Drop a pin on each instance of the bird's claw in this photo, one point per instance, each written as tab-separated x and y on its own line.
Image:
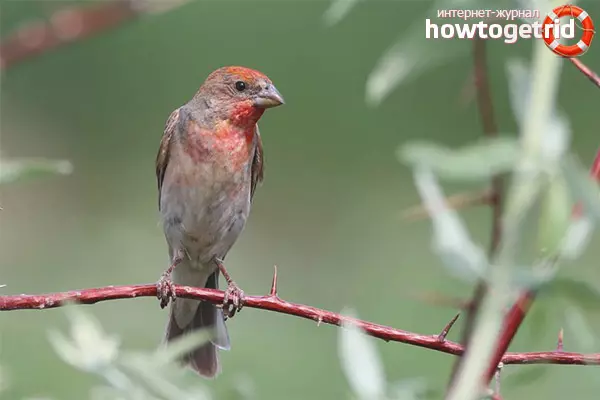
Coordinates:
233	300
165	291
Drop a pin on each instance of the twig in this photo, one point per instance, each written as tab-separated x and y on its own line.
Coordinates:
73	24
455	202
591	75
440	300
276	304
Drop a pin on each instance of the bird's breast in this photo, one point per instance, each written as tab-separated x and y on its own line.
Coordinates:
205	198
226	149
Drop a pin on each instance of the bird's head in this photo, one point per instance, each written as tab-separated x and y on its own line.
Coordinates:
239	94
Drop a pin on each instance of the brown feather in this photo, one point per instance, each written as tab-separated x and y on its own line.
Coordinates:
257	164
162	158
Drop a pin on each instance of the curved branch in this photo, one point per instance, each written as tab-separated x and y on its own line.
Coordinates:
272	302
591	75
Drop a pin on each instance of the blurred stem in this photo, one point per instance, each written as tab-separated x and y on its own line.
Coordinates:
479	354
490	129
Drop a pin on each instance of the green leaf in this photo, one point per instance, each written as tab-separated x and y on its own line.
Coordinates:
451	239
557	130
338	10
414	54
479	161
88	347
410	389
582	186
555	216
361	362
20	170
536	276
577	238
581	293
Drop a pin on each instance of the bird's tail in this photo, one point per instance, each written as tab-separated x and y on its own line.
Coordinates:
188	315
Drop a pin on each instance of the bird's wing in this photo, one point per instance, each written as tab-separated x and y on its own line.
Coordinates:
257	164
162	158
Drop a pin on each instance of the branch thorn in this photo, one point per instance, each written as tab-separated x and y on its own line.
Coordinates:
273	292
446	330
559	344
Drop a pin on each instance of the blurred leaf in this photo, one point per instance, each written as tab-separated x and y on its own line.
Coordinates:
413	54
555	217
478	161
20	170
557	132
582	186
451	239
88	348
360	362
182	345
409	389
540	274
166	381
111	393
159	7
243	388
581	293
577	238
526	375
338	10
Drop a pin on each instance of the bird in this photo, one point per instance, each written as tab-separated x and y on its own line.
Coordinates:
208	166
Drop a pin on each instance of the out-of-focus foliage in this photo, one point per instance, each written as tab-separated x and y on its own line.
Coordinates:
20	170
128	376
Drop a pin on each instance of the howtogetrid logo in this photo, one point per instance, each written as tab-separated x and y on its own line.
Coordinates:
552	23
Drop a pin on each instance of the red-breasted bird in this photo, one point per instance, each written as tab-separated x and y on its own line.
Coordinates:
208	166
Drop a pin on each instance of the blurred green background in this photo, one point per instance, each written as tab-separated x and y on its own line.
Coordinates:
328	213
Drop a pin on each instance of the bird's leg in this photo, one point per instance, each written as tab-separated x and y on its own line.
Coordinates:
164	287
233	294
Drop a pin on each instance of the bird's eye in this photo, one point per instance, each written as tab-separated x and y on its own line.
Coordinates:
240	86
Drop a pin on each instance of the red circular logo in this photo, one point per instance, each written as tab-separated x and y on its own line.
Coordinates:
568	11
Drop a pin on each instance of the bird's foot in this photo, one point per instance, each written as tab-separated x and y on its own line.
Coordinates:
233	300
165	290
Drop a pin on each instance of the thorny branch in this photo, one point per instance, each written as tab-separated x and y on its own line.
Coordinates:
76	23
272	302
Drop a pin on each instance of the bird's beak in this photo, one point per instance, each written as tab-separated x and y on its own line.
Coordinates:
268	97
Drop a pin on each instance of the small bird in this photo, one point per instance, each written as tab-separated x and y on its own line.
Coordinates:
208	166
